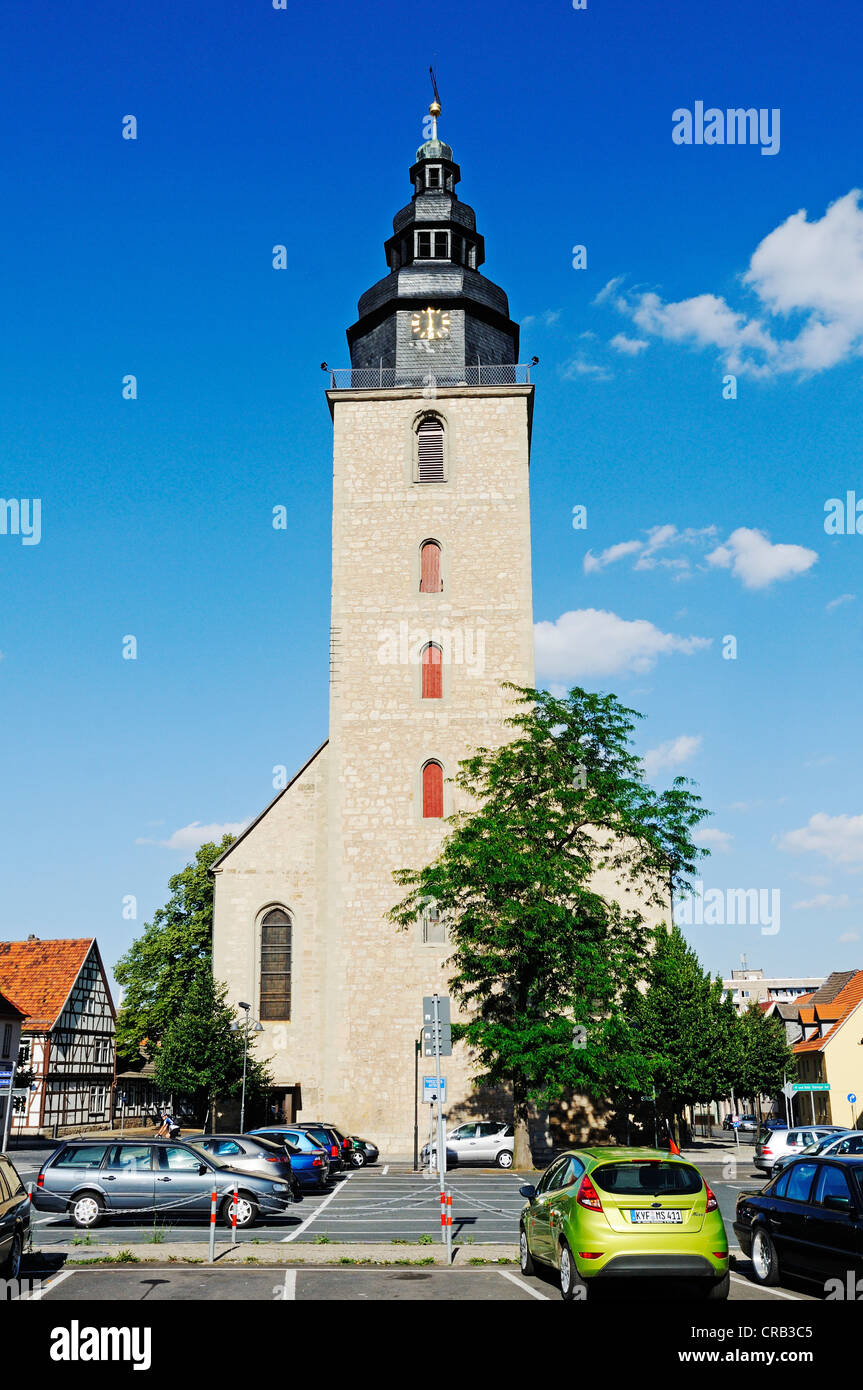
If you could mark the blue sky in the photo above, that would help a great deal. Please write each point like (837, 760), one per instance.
(259, 126)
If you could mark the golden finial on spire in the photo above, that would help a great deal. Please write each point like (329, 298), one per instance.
(435, 107)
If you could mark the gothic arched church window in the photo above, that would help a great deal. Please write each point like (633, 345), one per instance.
(276, 965)
(430, 575)
(432, 683)
(432, 791)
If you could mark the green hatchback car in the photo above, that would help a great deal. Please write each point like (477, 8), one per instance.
(599, 1214)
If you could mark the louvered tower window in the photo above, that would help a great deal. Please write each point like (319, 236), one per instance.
(432, 672)
(276, 964)
(432, 791)
(430, 451)
(430, 575)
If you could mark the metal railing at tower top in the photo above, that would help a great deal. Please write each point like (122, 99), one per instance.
(391, 378)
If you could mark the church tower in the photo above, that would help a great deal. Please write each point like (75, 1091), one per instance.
(431, 613)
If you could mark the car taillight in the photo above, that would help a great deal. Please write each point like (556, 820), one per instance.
(588, 1195)
(273, 1160)
(765, 1152)
(589, 1254)
(319, 1163)
(712, 1203)
(40, 1181)
(720, 1254)
(335, 1150)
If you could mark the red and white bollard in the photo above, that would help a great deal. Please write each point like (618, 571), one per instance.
(234, 1217)
(213, 1201)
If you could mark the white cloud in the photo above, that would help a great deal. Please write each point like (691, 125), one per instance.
(824, 902)
(631, 346)
(658, 538)
(577, 367)
(191, 837)
(838, 838)
(836, 602)
(848, 936)
(812, 271)
(711, 838)
(547, 318)
(592, 562)
(593, 642)
(754, 560)
(671, 754)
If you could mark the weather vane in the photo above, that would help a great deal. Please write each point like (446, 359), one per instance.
(435, 108)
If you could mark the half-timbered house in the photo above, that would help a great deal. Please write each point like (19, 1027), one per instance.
(67, 1037)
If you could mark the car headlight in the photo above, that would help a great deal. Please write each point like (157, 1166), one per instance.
(280, 1187)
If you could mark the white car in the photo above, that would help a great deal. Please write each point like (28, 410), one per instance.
(783, 1143)
(479, 1141)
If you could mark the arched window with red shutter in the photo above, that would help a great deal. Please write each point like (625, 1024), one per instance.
(432, 684)
(432, 791)
(431, 581)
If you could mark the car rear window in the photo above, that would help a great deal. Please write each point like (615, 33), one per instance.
(80, 1156)
(654, 1178)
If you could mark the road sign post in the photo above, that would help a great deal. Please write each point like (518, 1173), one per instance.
(852, 1101)
(437, 1043)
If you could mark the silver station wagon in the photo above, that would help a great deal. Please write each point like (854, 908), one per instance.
(90, 1180)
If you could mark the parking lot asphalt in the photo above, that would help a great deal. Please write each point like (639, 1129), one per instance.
(371, 1206)
(325, 1283)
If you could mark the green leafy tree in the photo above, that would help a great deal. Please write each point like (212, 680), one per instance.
(541, 960)
(157, 971)
(686, 1030)
(764, 1058)
(201, 1055)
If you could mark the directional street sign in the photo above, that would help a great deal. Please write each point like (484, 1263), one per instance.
(431, 1092)
(812, 1085)
(444, 1032)
(852, 1099)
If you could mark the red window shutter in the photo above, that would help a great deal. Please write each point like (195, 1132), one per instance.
(432, 791)
(430, 580)
(432, 673)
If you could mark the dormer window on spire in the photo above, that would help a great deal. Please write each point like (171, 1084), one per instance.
(434, 176)
(431, 246)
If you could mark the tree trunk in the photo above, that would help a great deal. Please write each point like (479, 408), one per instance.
(522, 1156)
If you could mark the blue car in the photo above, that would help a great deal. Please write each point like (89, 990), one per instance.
(310, 1161)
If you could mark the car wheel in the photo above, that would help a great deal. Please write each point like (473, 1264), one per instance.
(87, 1210)
(247, 1211)
(765, 1263)
(572, 1286)
(525, 1258)
(504, 1159)
(359, 1159)
(718, 1289)
(11, 1268)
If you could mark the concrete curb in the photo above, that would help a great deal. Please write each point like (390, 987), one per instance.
(278, 1253)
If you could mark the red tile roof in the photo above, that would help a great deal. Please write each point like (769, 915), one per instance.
(38, 975)
(840, 1008)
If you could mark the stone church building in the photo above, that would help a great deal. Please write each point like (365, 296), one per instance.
(431, 612)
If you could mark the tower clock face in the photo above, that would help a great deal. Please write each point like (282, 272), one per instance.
(430, 323)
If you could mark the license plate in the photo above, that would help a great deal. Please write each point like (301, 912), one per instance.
(647, 1217)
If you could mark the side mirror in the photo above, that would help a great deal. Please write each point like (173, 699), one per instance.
(202, 1169)
(833, 1203)
(528, 1191)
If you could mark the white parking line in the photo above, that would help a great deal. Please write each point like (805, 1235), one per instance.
(37, 1294)
(289, 1292)
(776, 1293)
(514, 1279)
(385, 1170)
(304, 1225)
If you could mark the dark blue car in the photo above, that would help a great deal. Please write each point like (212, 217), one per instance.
(310, 1161)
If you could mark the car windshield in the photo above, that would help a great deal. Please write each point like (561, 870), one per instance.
(820, 1143)
(647, 1178)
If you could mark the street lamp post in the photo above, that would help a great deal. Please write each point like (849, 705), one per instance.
(258, 1029)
